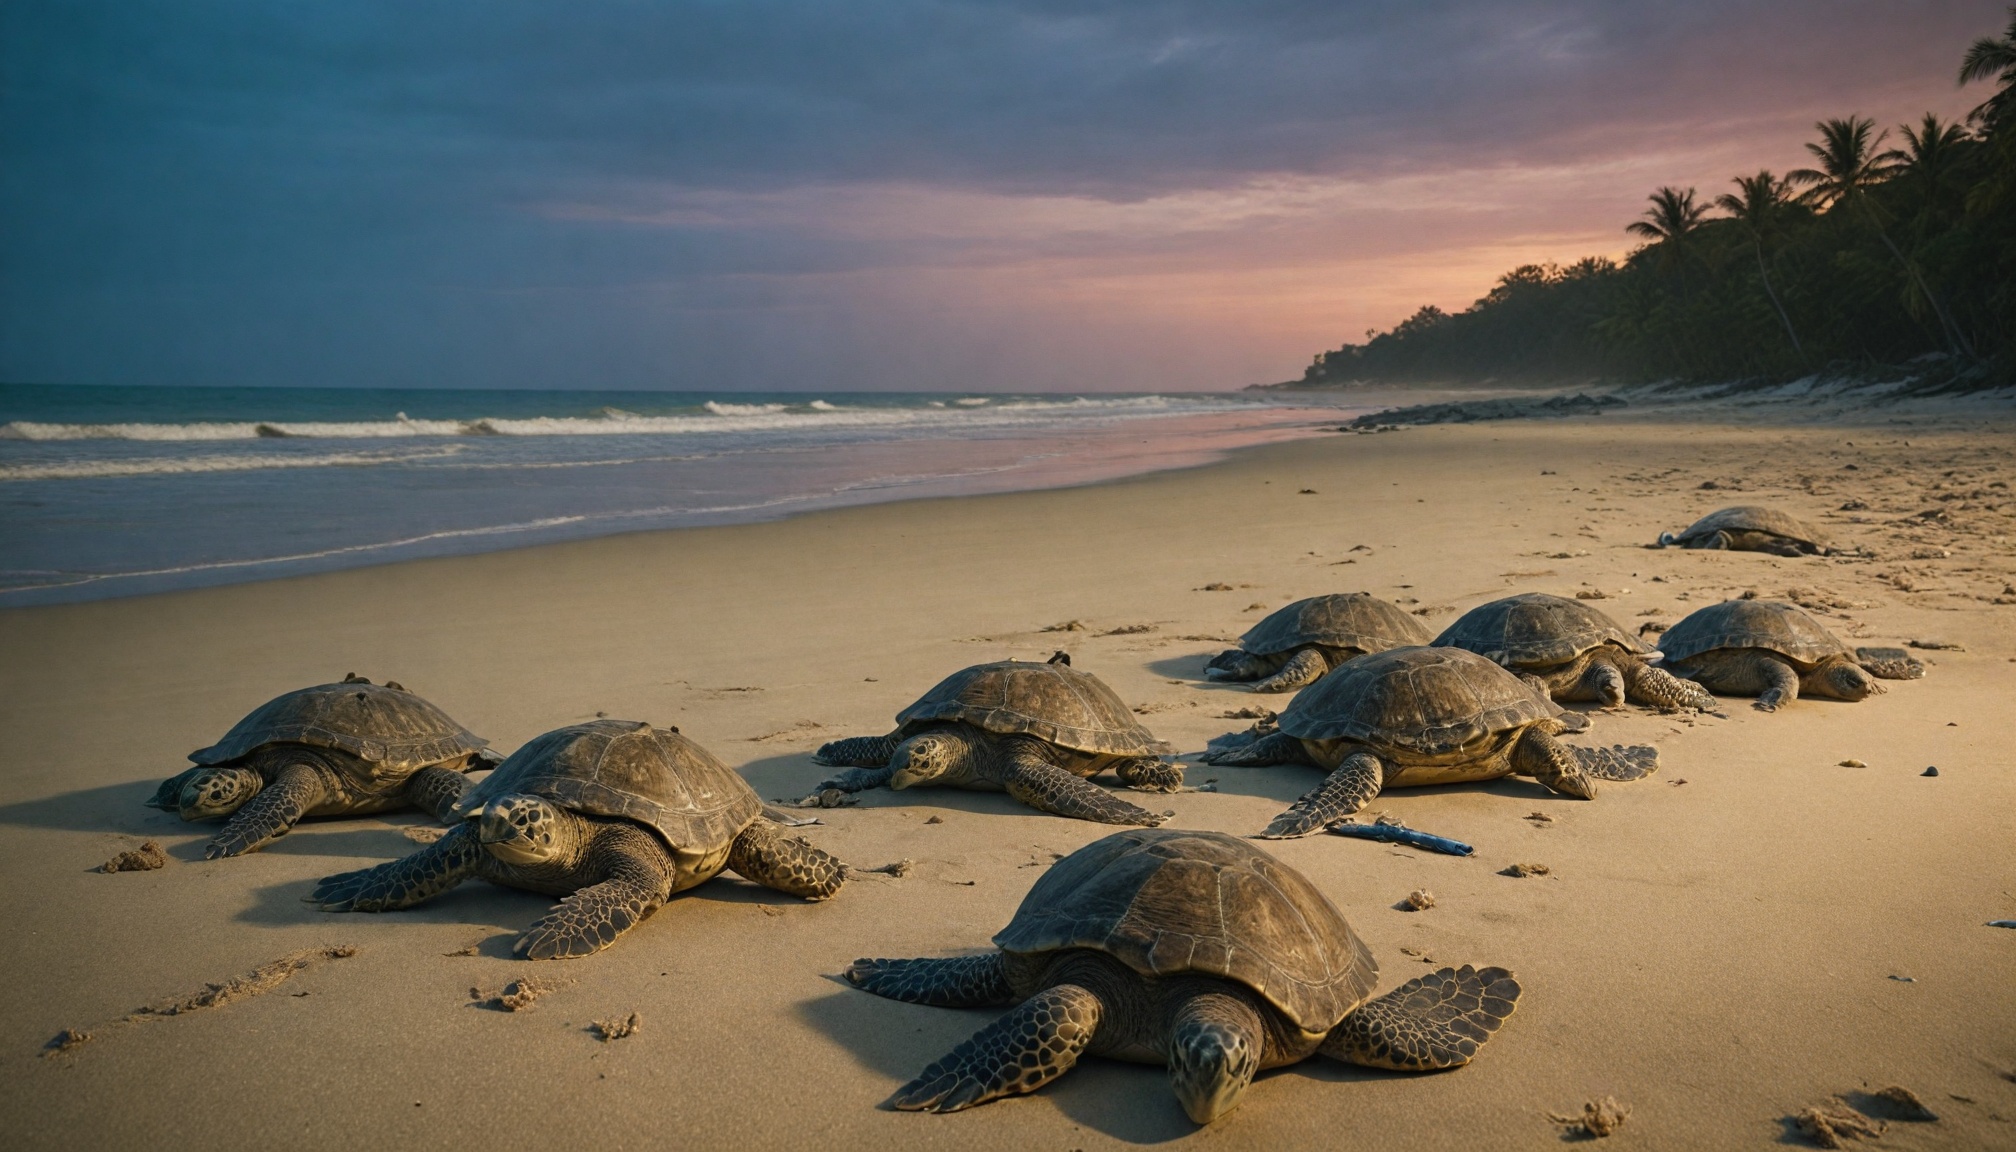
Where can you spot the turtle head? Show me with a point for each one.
(214, 793)
(928, 758)
(1214, 1050)
(522, 829)
(1847, 680)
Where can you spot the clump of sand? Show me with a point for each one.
(1418, 900)
(516, 996)
(145, 858)
(1599, 1118)
(1829, 1124)
(618, 1027)
(65, 1040)
(1524, 870)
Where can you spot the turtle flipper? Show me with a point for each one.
(168, 797)
(1305, 667)
(948, 982)
(639, 879)
(436, 791)
(1554, 764)
(1235, 664)
(1889, 663)
(1431, 1022)
(856, 752)
(1044, 786)
(1032, 1045)
(268, 816)
(1644, 684)
(856, 779)
(785, 863)
(1618, 762)
(1352, 786)
(403, 883)
(1273, 748)
(1150, 775)
(1781, 682)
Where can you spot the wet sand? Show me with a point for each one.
(1751, 931)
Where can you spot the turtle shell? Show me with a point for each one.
(1347, 620)
(1766, 624)
(1428, 701)
(1169, 902)
(629, 769)
(1755, 518)
(390, 730)
(1053, 702)
(1535, 630)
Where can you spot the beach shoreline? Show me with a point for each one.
(1717, 953)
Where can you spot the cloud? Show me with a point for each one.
(897, 193)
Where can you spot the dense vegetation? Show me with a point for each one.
(1872, 258)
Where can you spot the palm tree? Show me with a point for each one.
(1850, 166)
(1761, 209)
(1670, 224)
(1989, 58)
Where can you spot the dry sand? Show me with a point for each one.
(1718, 954)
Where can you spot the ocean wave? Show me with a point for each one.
(168, 466)
(719, 417)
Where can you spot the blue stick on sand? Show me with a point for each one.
(1394, 834)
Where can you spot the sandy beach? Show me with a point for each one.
(1751, 931)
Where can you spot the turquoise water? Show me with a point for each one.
(109, 491)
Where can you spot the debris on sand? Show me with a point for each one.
(257, 982)
(1389, 831)
(1465, 412)
(1418, 900)
(1652, 627)
(1539, 818)
(471, 950)
(1591, 594)
(1066, 626)
(1128, 630)
(65, 1040)
(516, 996)
(618, 1028)
(830, 798)
(935, 820)
(2002, 923)
(1524, 870)
(1216, 586)
(1829, 1124)
(145, 858)
(1599, 1118)
(1250, 712)
(1851, 762)
(1938, 646)
(899, 868)
(421, 834)
(1933, 771)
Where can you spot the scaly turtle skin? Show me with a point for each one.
(1751, 528)
(342, 749)
(1195, 950)
(1776, 652)
(1416, 716)
(1299, 643)
(614, 815)
(1573, 651)
(1035, 731)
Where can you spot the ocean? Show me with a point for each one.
(115, 491)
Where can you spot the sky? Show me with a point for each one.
(883, 194)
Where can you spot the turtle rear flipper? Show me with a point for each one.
(1431, 1022)
(294, 792)
(1618, 762)
(1890, 663)
(1305, 667)
(1022, 1051)
(402, 883)
(943, 982)
(1352, 786)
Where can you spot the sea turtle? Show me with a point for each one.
(1415, 716)
(1574, 652)
(1196, 950)
(1035, 731)
(1752, 528)
(616, 816)
(1297, 644)
(332, 750)
(1776, 652)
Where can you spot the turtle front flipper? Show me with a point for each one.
(1044, 786)
(856, 779)
(1305, 667)
(1644, 684)
(1352, 786)
(856, 752)
(403, 883)
(168, 797)
(947, 982)
(1552, 763)
(1022, 1051)
(1780, 680)
(1890, 663)
(785, 863)
(1269, 750)
(639, 879)
(1150, 775)
(1431, 1022)
(295, 790)
(437, 791)
(1618, 762)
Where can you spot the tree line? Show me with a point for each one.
(1888, 251)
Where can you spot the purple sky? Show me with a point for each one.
(885, 194)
